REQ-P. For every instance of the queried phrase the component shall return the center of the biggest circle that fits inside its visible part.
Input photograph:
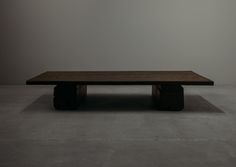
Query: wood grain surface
(119, 78)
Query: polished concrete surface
(117, 127)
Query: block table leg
(65, 97)
(168, 97)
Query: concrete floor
(117, 127)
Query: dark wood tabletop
(119, 78)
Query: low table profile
(167, 90)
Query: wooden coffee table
(167, 90)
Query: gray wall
(40, 35)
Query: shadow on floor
(135, 103)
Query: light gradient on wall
(42, 35)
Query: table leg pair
(165, 97)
